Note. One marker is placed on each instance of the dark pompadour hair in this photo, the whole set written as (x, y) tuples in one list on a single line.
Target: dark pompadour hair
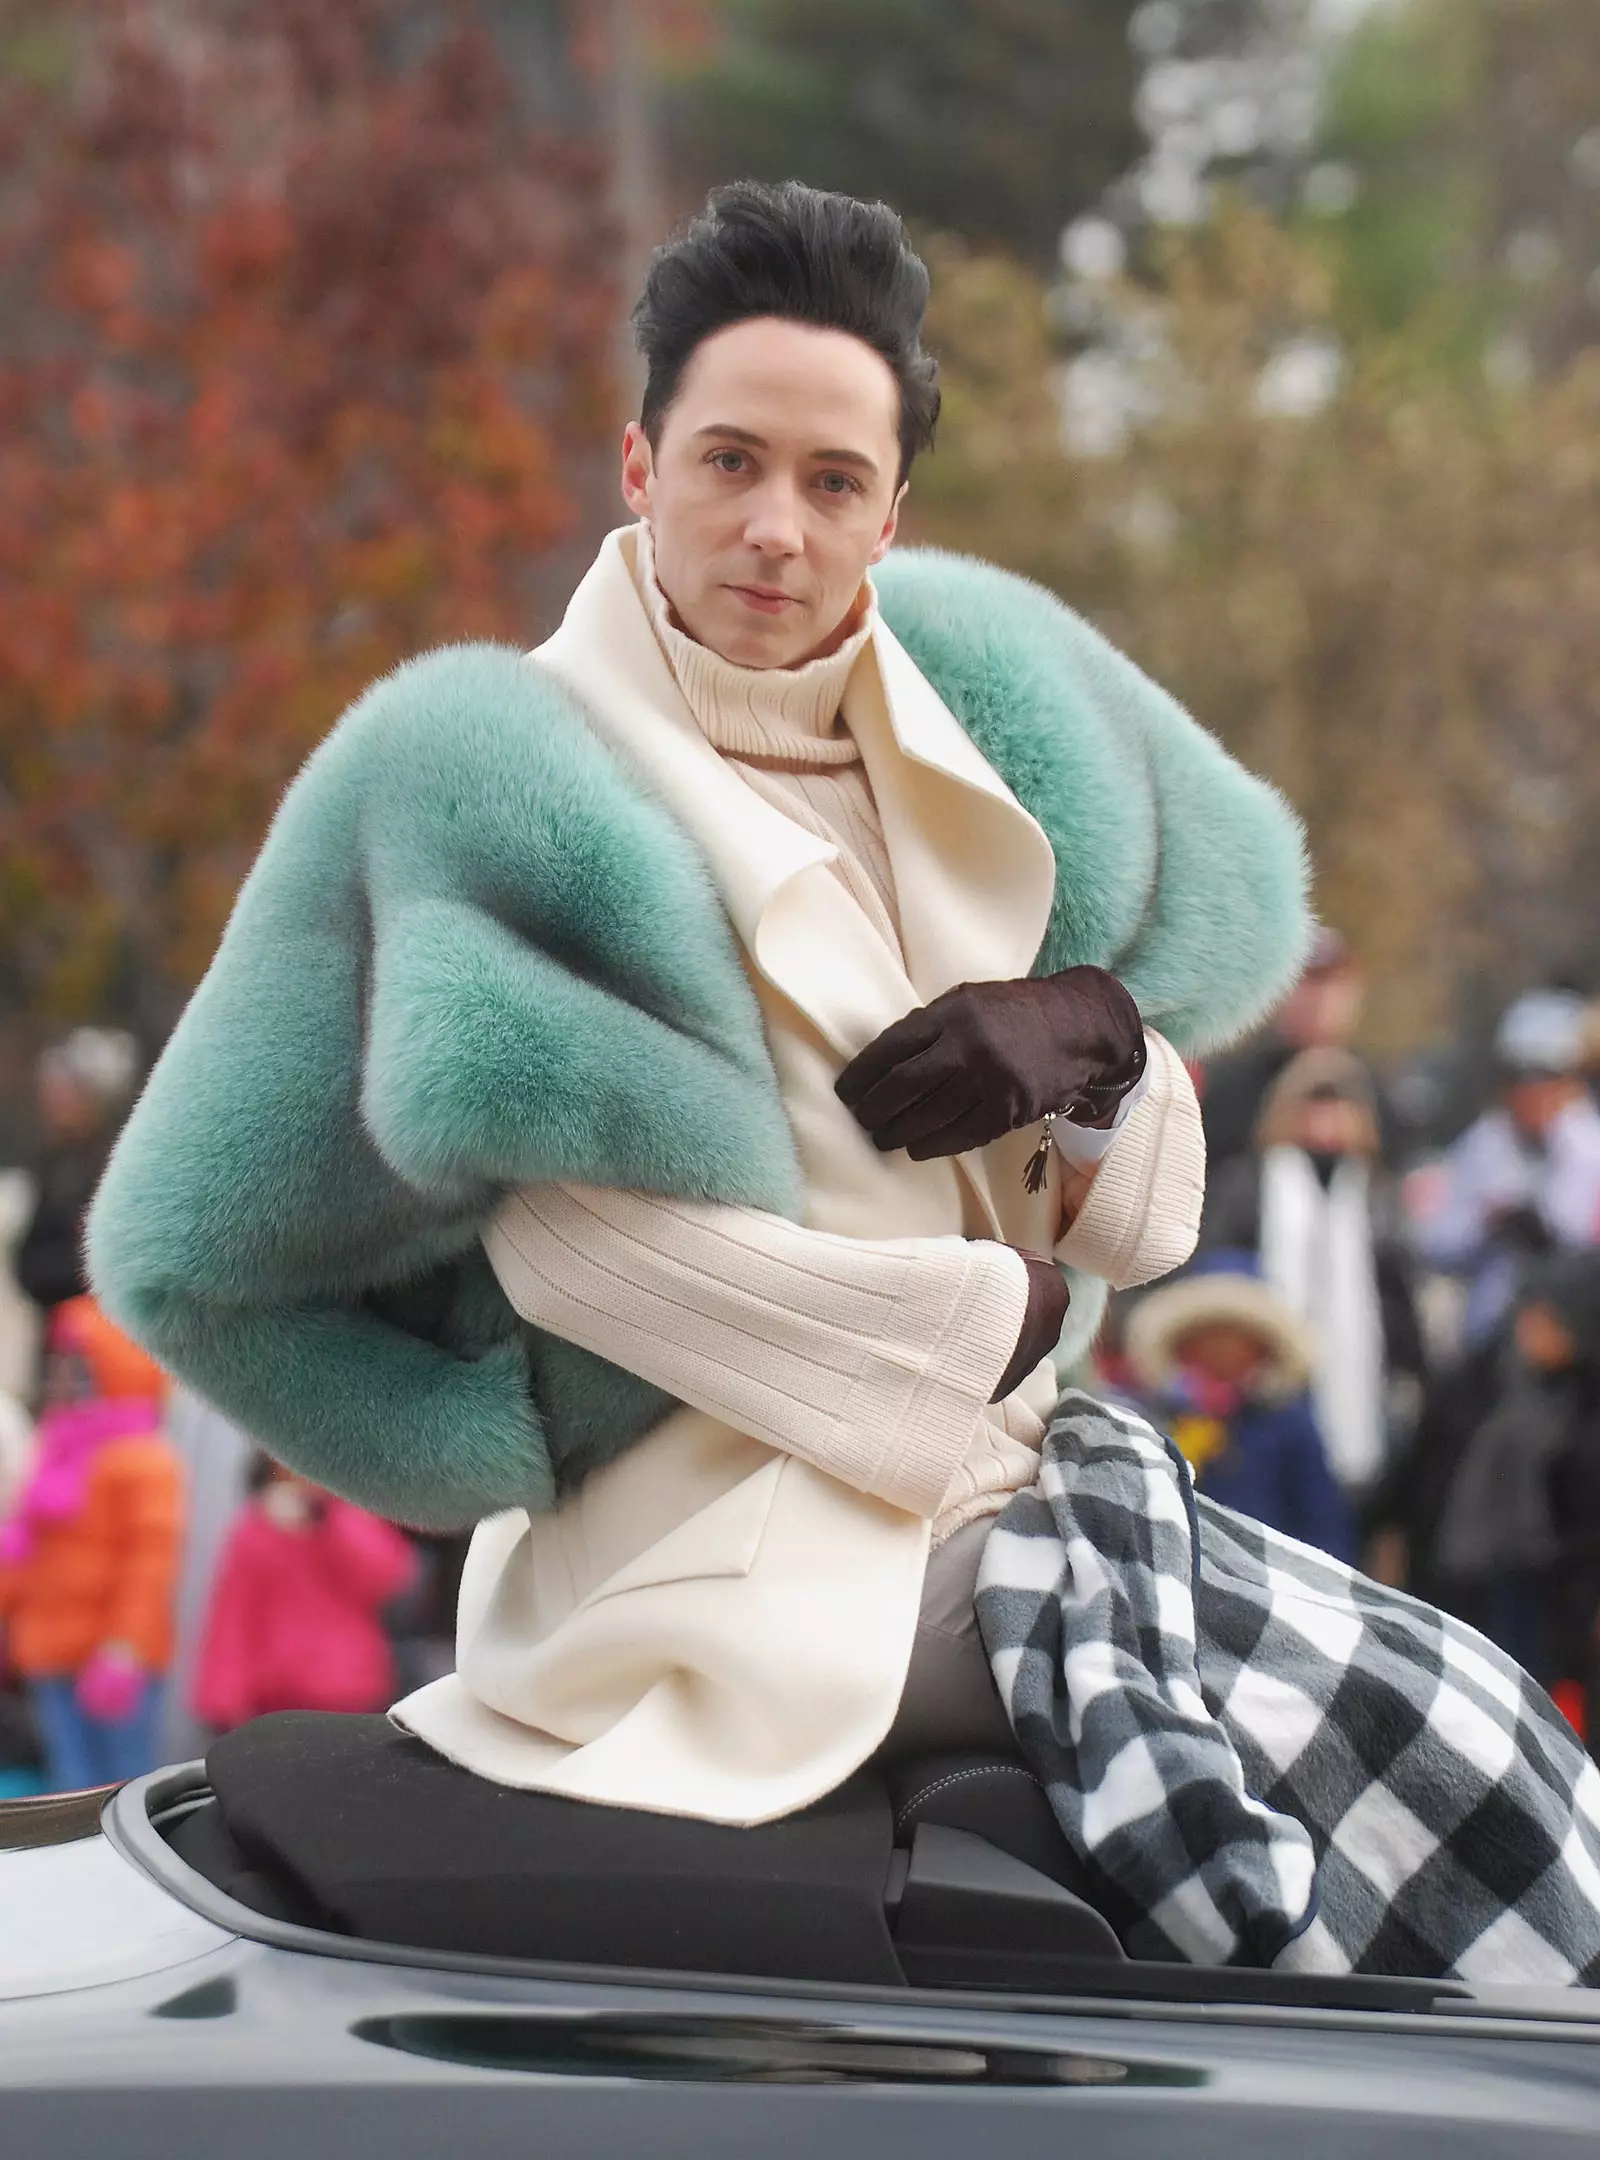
[(807, 257)]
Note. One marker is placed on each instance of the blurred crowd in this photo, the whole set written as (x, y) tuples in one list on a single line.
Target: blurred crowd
[(1390, 1347), (1387, 1345), (161, 1580)]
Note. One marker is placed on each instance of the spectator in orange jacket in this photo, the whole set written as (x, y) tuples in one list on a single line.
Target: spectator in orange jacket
[(89, 1555)]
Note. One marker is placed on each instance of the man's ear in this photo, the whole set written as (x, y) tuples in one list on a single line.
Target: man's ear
[(885, 539), (638, 469)]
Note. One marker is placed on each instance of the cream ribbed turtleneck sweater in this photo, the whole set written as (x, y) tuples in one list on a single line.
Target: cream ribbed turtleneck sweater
[(784, 732)]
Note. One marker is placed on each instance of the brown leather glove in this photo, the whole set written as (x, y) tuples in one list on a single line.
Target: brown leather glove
[(989, 1058), (1048, 1299)]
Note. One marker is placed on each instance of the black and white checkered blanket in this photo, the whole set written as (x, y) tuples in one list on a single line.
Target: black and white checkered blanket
[(1264, 1758)]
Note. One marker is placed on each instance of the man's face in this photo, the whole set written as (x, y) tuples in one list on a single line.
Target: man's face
[(772, 490), (1536, 1101), (70, 1110), (1324, 1009), (1328, 1125)]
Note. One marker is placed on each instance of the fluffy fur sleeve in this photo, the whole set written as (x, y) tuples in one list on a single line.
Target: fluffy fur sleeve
[(472, 953)]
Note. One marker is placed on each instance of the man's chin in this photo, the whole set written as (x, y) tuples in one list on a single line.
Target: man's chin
[(756, 642)]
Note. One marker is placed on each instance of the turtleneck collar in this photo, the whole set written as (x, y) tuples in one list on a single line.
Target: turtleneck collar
[(786, 716)]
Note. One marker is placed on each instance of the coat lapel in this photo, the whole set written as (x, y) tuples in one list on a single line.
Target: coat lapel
[(974, 874)]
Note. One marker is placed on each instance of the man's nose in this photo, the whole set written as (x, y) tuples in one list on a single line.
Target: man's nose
[(773, 524)]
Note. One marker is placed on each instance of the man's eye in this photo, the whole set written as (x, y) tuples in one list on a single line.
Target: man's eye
[(840, 483), (728, 460)]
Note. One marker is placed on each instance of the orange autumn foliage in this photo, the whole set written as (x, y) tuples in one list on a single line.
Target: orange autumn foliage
[(301, 351)]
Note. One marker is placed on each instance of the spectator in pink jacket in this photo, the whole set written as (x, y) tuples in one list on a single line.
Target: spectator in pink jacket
[(294, 1621)]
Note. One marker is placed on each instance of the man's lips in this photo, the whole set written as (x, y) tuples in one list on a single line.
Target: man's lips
[(765, 599)]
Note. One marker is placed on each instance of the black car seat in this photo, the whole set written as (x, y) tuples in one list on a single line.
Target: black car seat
[(941, 1872)]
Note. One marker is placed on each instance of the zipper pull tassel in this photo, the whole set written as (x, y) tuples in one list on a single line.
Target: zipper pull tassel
[(1034, 1175)]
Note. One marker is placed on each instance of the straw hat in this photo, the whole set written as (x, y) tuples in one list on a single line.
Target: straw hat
[(1220, 1289)]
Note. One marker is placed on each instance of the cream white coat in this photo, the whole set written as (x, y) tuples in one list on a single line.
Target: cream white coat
[(708, 1627)]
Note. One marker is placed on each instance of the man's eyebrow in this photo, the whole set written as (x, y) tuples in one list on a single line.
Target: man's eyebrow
[(846, 457), (728, 433)]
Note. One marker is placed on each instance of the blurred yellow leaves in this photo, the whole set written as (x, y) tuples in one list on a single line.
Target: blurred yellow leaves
[(1386, 601)]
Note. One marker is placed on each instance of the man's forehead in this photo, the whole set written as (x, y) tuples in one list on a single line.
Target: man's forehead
[(784, 382)]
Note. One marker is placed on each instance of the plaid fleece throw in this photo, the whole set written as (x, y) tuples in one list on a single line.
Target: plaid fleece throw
[(1263, 1758)]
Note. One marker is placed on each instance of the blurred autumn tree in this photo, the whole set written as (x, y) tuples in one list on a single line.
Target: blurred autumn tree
[(1381, 587), (302, 338), (1470, 134), (997, 119)]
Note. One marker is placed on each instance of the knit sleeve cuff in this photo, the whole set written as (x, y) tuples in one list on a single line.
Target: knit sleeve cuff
[(1140, 1218), (926, 1420)]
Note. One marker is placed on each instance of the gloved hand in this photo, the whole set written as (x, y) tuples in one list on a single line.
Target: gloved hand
[(988, 1058), (1048, 1299), (111, 1685)]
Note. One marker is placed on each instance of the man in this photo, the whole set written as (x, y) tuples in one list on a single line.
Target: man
[(734, 973), (1524, 1178), (85, 1084), (1310, 1201), (1321, 1012)]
